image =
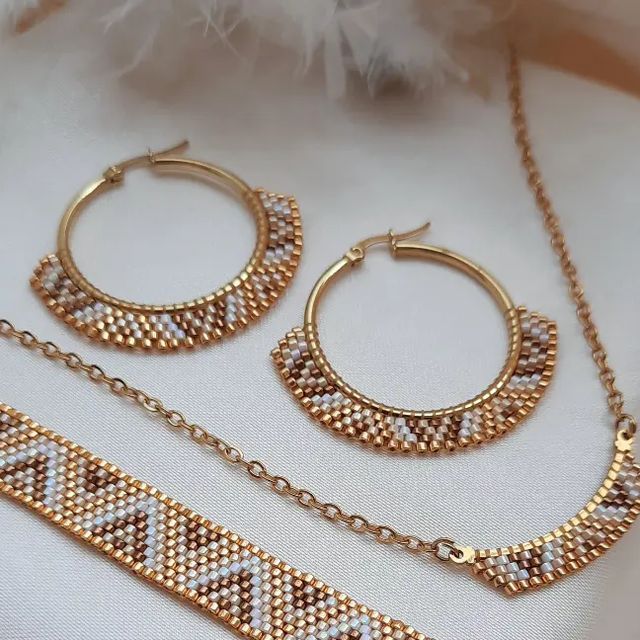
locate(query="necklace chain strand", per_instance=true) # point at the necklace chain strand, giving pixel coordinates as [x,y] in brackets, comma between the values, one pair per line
[442,548]
[624,422]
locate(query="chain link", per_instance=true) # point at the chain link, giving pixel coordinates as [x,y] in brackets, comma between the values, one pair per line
[257,469]
[442,548]
[625,423]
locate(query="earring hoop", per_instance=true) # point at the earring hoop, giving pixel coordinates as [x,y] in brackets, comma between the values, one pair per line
[334,403]
[226,310]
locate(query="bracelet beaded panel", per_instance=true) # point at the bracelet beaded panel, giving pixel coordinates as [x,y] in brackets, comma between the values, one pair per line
[159,539]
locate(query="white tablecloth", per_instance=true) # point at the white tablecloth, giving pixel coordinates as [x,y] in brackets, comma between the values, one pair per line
[408,333]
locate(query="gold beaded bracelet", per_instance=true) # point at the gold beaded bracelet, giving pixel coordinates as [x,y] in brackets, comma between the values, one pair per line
[170,545]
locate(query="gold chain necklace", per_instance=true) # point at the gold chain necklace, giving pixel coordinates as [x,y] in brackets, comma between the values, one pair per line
[515,568]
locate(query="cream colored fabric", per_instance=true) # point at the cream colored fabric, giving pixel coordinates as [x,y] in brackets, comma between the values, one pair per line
[409,332]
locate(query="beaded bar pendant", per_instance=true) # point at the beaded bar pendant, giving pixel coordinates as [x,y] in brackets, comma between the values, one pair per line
[163,541]
[576,543]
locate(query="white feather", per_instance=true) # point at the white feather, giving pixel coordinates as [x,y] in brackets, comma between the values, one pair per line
[12,10]
[418,41]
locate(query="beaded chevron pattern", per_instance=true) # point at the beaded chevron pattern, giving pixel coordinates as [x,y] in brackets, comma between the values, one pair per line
[576,543]
[159,539]
[324,396]
[204,320]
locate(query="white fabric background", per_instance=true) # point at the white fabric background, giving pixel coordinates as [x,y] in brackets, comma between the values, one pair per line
[405,332]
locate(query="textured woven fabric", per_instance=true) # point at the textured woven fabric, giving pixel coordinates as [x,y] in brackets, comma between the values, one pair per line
[407,333]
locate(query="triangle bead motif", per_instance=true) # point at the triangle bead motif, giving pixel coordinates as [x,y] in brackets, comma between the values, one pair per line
[227,310]
[255,593]
[323,395]
[576,543]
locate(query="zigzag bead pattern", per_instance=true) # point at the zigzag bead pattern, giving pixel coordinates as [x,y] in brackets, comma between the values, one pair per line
[229,309]
[325,396]
[161,540]
[576,543]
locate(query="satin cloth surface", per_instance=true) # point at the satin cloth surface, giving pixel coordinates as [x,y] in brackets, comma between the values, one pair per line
[409,332]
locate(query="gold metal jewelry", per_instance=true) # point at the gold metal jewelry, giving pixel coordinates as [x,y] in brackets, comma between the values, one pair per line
[502,405]
[577,542]
[173,547]
[100,316]
[514,569]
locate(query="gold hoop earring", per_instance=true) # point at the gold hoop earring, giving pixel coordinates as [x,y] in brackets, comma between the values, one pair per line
[501,406]
[230,308]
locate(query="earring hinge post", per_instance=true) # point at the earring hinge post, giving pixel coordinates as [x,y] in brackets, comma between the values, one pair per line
[357,252]
[115,173]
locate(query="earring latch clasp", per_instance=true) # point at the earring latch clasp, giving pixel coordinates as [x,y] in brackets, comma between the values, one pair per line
[358,251]
[115,173]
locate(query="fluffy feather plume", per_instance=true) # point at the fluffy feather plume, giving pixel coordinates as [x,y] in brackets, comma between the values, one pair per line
[12,12]
[421,42]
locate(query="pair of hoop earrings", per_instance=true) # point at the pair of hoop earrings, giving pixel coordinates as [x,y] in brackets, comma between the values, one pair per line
[299,357]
